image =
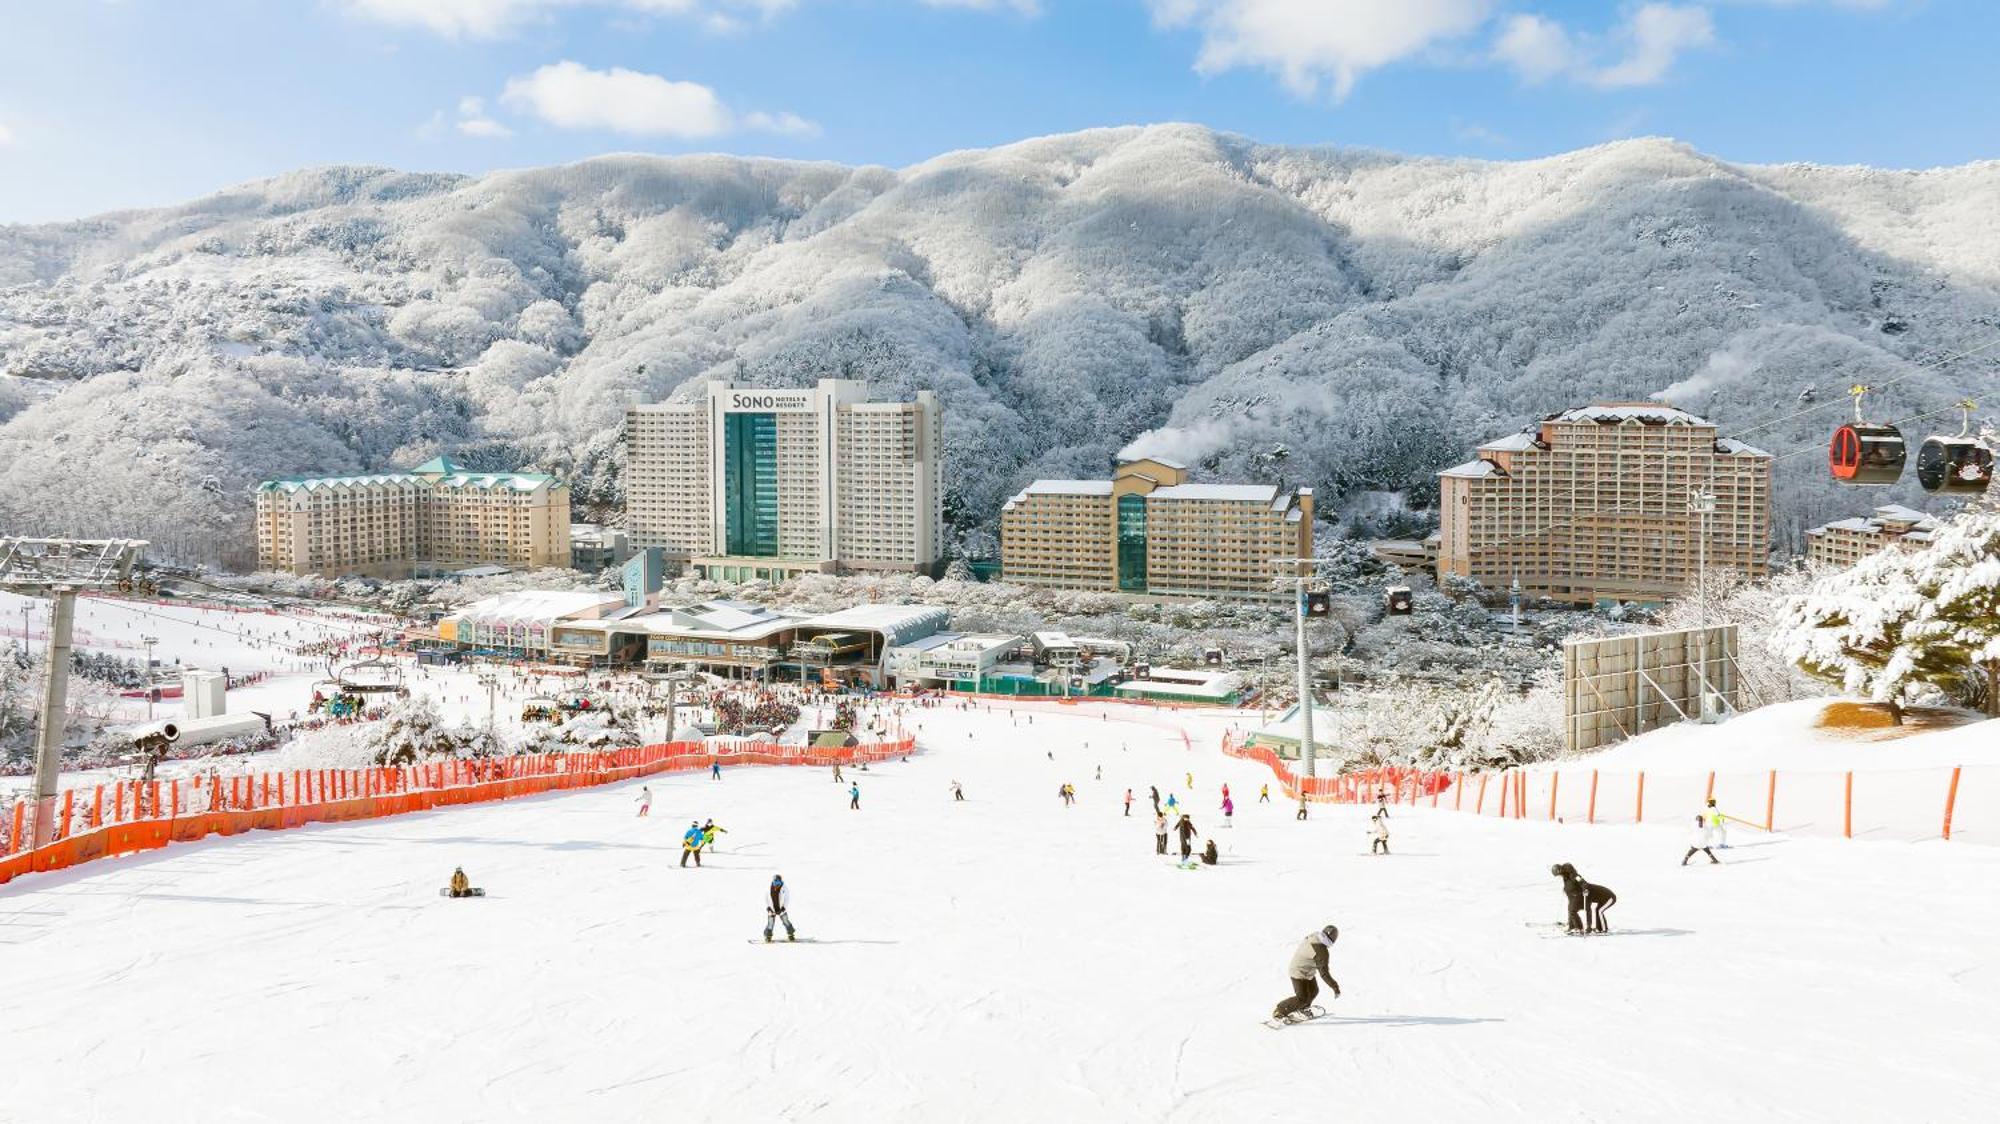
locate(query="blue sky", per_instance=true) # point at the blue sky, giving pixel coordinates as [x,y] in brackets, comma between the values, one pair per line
[115,103]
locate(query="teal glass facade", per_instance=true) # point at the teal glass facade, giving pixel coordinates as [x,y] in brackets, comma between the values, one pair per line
[750,483]
[1132,543]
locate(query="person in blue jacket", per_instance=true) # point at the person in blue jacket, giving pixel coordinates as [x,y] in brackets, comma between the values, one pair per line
[854,797]
[692,842]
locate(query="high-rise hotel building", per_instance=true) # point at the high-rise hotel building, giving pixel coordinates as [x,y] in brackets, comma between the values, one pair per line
[434,518]
[1601,504]
[755,483]
[1147,530]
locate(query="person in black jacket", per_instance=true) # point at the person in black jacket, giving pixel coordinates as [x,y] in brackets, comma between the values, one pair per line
[1186,829]
[1587,901]
[1573,885]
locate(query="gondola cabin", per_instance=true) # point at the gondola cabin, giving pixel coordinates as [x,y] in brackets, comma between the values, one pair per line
[1954,465]
[1862,453]
[1399,600]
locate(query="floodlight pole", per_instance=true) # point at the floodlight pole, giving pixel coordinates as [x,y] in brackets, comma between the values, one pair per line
[55,707]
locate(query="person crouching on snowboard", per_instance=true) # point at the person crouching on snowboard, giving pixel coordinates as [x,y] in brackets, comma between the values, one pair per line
[691,843]
[776,909]
[461,886]
[1308,960]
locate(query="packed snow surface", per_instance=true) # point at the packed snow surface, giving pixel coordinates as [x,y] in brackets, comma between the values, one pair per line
[1004,958]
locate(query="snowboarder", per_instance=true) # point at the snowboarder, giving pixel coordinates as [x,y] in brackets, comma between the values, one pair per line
[709,831]
[715,768]
[854,797]
[691,843]
[1228,809]
[1186,830]
[1209,857]
[1715,820]
[957,793]
[1190,782]
[645,800]
[1159,833]
[837,778]
[1067,795]
[461,886]
[1264,795]
[1173,804]
[1155,790]
[1700,841]
[1100,772]
[1309,960]
[1379,843]
[775,910]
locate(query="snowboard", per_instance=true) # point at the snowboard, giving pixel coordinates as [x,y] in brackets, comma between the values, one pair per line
[1306,1016]
[774,940]
[475,892]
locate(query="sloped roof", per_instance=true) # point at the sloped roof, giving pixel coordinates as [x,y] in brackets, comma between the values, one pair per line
[1473,469]
[1512,443]
[1611,413]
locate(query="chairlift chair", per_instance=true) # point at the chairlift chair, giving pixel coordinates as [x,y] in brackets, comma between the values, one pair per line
[1955,465]
[1864,452]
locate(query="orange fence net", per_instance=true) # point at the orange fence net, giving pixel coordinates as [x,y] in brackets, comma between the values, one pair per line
[128,816]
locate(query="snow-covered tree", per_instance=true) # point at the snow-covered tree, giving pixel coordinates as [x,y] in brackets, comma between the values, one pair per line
[1902,621]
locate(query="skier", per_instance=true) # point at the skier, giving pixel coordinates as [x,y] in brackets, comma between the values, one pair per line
[1228,810]
[1128,801]
[1264,795]
[691,843]
[957,793]
[1307,961]
[776,910]
[1155,790]
[1190,782]
[1100,772]
[1597,899]
[1715,820]
[1380,843]
[854,797]
[1700,841]
[837,778]
[1573,887]
[1173,804]
[645,800]
[1186,830]
[715,768]
[1159,833]
[1225,791]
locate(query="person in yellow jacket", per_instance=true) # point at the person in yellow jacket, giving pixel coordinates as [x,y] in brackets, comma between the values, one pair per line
[1716,821]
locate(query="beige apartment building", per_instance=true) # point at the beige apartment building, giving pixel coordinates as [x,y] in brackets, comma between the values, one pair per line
[1147,530]
[1847,541]
[1599,504]
[755,483]
[434,518]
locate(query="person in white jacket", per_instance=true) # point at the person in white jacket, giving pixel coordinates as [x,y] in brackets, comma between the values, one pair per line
[777,909]
[1700,840]
[645,799]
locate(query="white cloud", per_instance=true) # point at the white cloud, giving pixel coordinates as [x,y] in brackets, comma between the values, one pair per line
[1538,49]
[784,124]
[570,95]
[1476,133]
[6,134]
[1654,38]
[1025,7]
[1310,43]
[489,19]
[473,120]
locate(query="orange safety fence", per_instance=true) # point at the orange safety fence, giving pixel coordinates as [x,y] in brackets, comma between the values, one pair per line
[128,816]
[1902,804]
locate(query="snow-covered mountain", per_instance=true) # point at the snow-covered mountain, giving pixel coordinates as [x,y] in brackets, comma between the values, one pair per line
[1345,318]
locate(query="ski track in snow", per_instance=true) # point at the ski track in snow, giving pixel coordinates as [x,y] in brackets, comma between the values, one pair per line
[1004,958]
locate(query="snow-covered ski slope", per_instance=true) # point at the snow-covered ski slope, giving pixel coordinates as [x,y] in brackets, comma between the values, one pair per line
[1004,958]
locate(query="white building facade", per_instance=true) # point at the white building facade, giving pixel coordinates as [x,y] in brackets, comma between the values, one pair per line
[764,484]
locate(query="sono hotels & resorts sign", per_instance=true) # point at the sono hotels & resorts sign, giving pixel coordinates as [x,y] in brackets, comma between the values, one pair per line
[768,401]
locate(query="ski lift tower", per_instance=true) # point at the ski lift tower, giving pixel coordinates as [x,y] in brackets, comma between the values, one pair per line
[58,569]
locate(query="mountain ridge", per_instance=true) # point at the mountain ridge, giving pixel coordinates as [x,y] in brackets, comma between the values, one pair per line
[1348,318]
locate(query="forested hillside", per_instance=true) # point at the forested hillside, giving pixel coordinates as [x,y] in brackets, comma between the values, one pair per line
[1349,319]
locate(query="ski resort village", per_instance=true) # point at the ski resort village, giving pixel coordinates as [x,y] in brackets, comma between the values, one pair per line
[1135,624]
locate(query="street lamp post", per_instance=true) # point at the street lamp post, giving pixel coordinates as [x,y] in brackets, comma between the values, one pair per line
[149,641]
